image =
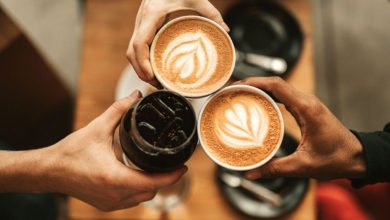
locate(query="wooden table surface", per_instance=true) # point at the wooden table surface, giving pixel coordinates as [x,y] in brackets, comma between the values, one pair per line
[107,29]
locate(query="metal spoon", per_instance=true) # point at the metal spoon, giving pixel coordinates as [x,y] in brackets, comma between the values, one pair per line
[274,64]
[260,191]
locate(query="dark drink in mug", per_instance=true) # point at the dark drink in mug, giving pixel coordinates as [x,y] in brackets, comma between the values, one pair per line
[159,133]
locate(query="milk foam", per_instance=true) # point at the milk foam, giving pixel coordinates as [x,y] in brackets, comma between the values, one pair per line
[191,59]
[244,123]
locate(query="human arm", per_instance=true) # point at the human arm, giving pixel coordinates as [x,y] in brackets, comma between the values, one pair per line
[84,165]
[151,15]
[327,149]
[376,149]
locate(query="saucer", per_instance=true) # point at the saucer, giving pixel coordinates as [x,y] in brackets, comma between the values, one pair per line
[265,28]
[292,190]
[129,81]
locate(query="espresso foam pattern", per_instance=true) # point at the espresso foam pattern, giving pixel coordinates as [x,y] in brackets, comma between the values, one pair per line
[240,128]
[243,123]
[191,59]
[193,56]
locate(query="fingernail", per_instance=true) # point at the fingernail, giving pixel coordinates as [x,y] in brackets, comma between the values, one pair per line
[149,77]
[135,94]
[227,29]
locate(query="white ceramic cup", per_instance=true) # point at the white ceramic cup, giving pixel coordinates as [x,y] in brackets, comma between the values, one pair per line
[172,88]
[260,93]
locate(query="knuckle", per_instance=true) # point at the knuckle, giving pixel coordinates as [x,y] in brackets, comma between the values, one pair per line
[312,107]
[129,55]
[138,44]
[214,14]
[147,196]
[275,80]
[273,170]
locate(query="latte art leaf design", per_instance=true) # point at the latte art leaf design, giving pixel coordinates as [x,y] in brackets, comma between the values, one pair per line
[190,59]
[243,125]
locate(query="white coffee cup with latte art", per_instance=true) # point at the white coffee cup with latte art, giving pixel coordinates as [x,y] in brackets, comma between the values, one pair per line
[240,127]
[193,56]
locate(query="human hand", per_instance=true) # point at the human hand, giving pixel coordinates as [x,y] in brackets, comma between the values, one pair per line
[327,149]
[84,165]
[151,15]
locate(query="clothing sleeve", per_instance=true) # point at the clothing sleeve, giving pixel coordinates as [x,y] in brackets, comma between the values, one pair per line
[376,149]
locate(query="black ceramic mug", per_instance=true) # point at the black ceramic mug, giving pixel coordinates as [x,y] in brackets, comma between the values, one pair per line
[158,133]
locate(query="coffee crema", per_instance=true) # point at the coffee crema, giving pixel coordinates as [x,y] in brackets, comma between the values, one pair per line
[192,56]
[240,128]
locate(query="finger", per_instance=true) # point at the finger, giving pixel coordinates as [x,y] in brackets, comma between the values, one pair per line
[139,14]
[142,197]
[155,181]
[277,167]
[131,57]
[280,89]
[141,44]
[169,178]
[137,69]
[111,117]
[154,82]
[130,49]
[208,10]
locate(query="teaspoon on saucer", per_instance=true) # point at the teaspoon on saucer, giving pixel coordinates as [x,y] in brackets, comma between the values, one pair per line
[274,64]
[260,191]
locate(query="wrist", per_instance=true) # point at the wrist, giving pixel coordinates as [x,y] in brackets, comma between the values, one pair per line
[357,164]
[25,171]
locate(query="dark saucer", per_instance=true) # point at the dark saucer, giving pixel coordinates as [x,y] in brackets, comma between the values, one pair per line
[292,190]
[266,28]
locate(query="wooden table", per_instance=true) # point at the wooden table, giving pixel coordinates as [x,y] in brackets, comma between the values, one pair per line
[108,28]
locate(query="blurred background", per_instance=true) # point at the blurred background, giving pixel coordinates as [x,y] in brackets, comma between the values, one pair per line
[352,51]
[44,39]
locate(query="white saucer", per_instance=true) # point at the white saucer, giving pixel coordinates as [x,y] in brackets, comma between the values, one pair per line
[129,81]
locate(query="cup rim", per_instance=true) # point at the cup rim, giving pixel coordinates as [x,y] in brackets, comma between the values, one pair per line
[263,161]
[149,145]
[162,81]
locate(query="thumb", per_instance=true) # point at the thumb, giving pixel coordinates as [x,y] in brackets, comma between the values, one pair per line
[277,167]
[112,116]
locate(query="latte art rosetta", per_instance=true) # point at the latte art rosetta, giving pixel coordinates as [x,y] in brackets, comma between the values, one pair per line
[242,124]
[190,59]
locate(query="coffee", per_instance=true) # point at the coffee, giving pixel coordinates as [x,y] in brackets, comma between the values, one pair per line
[193,56]
[159,132]
[240,126]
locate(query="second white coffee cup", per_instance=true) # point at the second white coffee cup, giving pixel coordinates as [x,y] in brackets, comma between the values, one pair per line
[240,127]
